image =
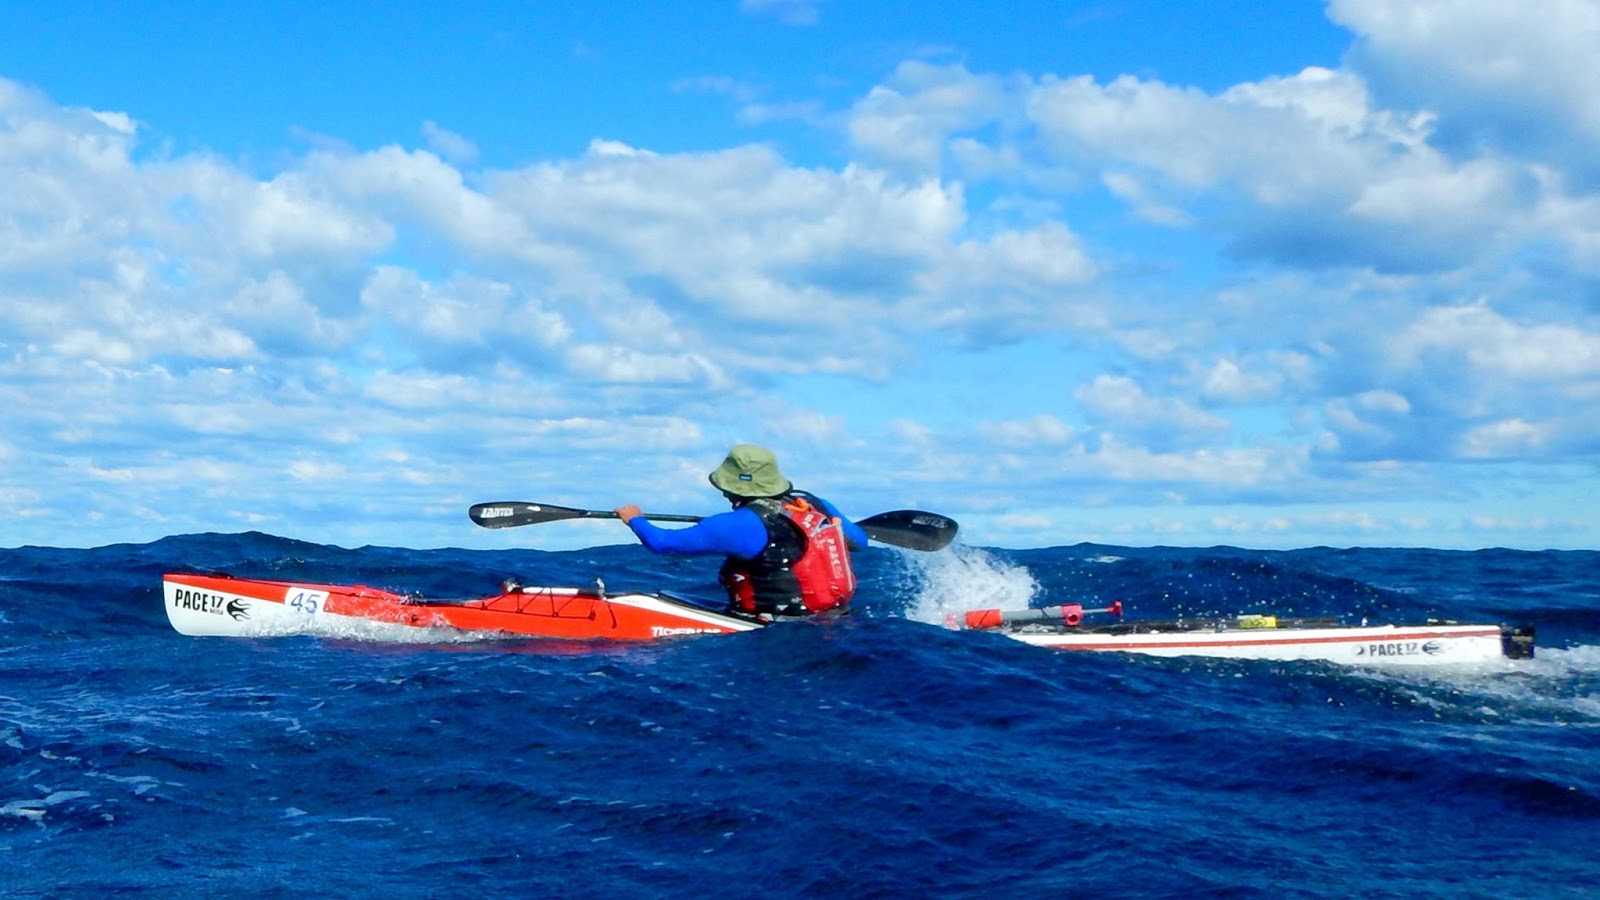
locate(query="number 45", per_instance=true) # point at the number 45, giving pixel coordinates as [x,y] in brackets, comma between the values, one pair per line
[308,602]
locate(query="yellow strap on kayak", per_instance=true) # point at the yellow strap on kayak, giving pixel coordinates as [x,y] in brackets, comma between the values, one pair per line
[1258,621]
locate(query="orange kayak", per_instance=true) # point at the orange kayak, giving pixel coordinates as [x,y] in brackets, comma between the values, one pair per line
[221,605]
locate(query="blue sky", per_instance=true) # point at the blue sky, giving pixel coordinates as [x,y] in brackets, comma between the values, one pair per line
[1160,273]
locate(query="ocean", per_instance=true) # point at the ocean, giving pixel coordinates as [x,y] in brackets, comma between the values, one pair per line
[878,755]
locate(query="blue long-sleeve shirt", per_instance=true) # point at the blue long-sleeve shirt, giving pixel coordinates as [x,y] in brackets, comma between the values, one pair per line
[737,532]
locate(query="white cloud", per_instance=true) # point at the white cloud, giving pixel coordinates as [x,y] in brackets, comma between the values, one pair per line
[1498,347]
[1042,259]
[1039,431]
[315,470]
[1022,522]
[1509,438]
[1119,404]
[1145,202]
[417,189]
[291,217]
[1383,402]
[1491,70]
[448,144]
[467,311]
[1228,382]
[830,255]
[600,147]
[1309,139]
[790,12]
[1349,521]
[1243,467]
[616,364]
[273,310]
[911,432]
[810,427]
[425,391]
[1305,169]
[907,121]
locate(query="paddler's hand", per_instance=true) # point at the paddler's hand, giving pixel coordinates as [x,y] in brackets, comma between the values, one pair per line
[628,513]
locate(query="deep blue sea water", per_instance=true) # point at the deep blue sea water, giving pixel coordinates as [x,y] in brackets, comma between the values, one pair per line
[876,756]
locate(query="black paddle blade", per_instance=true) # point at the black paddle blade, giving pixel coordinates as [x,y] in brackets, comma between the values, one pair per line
[911,529]
[516,513]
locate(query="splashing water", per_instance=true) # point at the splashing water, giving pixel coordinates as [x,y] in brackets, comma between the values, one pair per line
[1559,685]
[965,578]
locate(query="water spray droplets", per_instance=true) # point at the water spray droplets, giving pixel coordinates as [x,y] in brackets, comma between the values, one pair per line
[965,578]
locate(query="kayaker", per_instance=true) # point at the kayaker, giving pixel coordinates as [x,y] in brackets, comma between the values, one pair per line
[787,551]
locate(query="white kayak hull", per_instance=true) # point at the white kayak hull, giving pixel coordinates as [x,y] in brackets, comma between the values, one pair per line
[1385,645]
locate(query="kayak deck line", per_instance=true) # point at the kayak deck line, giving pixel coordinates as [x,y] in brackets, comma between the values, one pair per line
[1258,636]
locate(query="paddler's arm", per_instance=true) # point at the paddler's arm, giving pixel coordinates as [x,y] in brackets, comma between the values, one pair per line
[737,532]
[854,535]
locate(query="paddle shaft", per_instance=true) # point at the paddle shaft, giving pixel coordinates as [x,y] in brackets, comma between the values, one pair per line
[908,528]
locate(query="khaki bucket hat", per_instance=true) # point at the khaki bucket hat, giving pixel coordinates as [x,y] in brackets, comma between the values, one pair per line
[750,471]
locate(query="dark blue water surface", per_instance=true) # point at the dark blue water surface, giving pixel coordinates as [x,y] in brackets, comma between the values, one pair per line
[876,756]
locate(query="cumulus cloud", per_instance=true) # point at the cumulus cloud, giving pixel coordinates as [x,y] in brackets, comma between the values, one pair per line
[1509,438]
[1037,431]
[1120,405]
[1492,73]
[1227,381]
[1372,425]
[1306,169]
[1499,348]
[315,470]
[612,364]
[908,120]
[789,12]
[448,144]
[1234,468]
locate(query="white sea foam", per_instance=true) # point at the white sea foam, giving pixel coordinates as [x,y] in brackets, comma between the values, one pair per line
[352,629]
[23,809]
[1565,662]
[964,578]
[36,808]
[1558,686]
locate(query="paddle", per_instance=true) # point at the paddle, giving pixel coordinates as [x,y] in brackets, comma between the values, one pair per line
[908,528]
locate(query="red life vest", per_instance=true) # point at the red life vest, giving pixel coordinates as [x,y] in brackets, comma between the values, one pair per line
[805,567]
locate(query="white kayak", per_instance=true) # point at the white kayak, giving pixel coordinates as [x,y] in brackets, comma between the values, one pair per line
[1262,637]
